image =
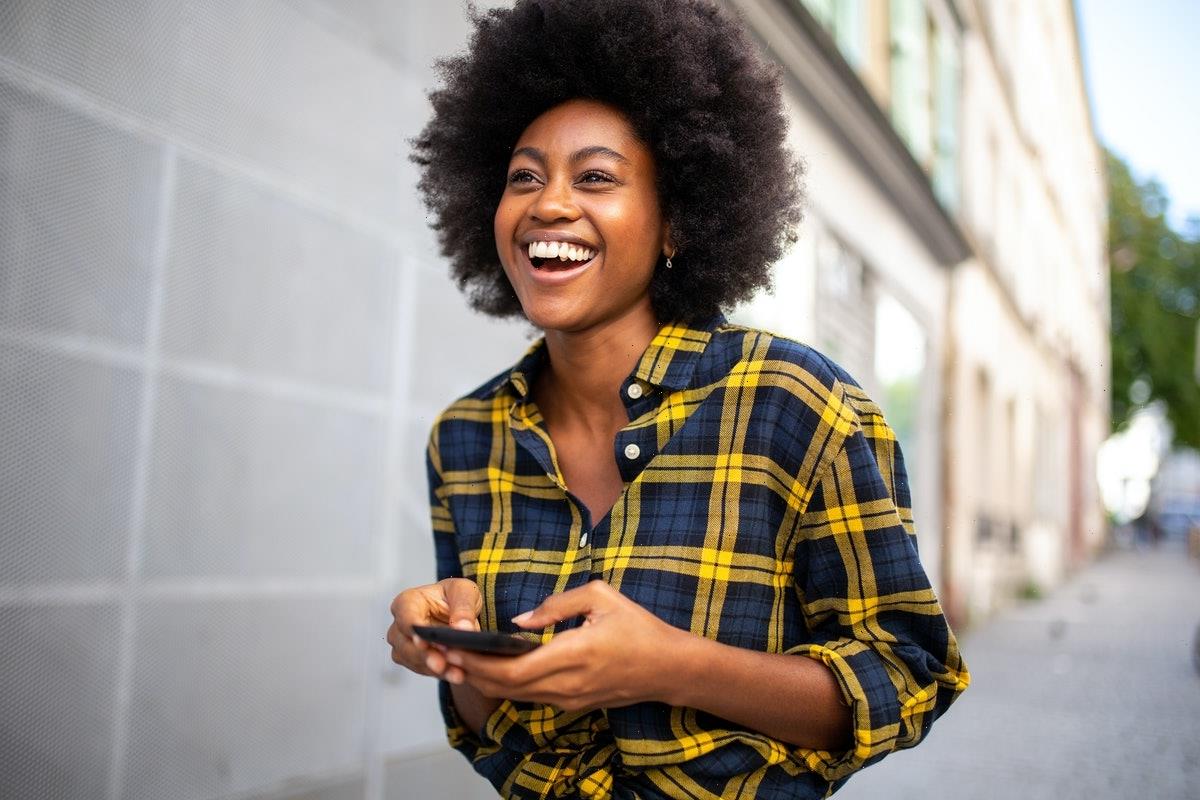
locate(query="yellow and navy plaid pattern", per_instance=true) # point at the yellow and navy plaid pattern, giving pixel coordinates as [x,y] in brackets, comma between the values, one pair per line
[765,506]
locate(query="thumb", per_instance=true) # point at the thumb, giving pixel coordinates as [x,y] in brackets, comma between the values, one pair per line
[464,603]
[557,607]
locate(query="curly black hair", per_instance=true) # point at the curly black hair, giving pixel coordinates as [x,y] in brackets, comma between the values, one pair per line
[694,89]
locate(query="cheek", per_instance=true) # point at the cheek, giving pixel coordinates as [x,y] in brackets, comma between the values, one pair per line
[636,220]
[501,228]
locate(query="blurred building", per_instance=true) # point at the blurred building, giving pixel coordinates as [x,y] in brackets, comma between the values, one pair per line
[1027,401]
[225,331]
[954,260]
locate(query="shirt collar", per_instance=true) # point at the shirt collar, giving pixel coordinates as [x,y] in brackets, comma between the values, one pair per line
[521,376]
[668,362]
[672,356]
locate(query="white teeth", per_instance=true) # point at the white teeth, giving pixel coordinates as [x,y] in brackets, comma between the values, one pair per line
[563,251]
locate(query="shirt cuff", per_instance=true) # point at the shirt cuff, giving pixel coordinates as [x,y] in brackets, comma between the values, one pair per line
[458,733]
[471,743]
[874,711]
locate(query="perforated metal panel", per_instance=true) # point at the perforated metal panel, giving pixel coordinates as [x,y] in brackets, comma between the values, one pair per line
[214,394]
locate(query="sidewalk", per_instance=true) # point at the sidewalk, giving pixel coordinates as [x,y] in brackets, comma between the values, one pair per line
[1089,694]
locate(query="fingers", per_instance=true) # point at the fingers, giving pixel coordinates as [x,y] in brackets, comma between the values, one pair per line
[464,602]
[439,667]
[454,601]
[421,657]
[573,603]
[541,676]
[513,677]
[408,651]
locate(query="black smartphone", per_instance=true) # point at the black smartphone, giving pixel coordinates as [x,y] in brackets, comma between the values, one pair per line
[497,644]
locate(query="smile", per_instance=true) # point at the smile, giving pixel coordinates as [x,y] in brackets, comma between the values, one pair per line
[543,255]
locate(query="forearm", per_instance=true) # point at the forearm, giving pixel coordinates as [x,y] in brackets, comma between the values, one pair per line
[790,698]
[472,707]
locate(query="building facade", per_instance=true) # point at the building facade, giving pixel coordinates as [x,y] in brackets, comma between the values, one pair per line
[973,141]
[1029,310]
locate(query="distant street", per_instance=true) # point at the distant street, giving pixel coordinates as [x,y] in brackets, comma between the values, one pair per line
[1088,695]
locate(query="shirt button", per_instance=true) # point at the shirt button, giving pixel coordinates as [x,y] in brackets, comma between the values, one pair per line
[583,540]
[634,390]
[632,451]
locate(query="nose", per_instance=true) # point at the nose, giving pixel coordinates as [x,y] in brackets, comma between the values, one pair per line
[555,201]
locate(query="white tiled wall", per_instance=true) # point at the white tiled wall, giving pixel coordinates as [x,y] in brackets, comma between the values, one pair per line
[224,333]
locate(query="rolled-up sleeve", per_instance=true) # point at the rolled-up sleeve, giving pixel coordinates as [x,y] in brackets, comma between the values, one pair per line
[872,615]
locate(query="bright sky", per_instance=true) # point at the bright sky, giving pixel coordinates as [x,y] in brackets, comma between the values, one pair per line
[1143,75]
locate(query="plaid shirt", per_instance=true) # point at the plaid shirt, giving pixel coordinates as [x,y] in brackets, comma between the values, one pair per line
[765,506]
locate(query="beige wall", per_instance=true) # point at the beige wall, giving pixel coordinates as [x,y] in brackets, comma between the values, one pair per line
[1031,311]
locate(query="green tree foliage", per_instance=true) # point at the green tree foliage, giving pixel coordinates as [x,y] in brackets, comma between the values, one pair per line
[1155,305]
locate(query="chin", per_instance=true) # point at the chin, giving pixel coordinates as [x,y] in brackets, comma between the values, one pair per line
[555,316]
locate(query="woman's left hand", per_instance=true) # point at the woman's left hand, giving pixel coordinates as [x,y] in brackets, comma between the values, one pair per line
[619,656]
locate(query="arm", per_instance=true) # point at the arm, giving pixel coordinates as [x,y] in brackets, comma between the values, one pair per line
[795,700]
[872,614]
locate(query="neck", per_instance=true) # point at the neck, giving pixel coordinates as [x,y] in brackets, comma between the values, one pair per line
[586,368]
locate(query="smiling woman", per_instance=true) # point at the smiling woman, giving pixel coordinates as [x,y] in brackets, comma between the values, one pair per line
[707,527]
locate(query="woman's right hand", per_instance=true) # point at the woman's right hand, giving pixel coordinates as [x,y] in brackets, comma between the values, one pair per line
[454,601]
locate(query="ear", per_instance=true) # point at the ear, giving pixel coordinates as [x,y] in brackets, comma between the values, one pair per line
[668,247]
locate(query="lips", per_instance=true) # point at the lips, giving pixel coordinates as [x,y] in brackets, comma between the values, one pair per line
[552,271]
[554,265]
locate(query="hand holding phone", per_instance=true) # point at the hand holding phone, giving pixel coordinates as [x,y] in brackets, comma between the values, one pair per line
[490,642]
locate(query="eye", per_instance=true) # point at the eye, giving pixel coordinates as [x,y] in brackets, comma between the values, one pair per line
[596,177]
[521,176]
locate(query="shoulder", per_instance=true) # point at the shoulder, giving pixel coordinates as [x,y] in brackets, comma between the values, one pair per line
[785,369]
[467,424]
[757,351]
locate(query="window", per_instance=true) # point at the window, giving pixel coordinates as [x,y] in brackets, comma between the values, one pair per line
[846,22]
[925,89]
[900,357]
[911,108]
[946,83]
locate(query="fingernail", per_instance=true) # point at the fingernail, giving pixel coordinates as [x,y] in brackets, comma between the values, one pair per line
[455,676]
[429,662]
[521,618]
[416,640]
[464,625]
[453,657]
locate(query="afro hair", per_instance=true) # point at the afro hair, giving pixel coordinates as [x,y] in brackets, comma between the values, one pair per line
[693,88]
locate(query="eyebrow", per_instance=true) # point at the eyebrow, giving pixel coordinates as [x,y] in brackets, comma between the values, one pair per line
[579,155]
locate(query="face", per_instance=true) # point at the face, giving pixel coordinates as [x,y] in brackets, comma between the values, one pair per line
[581,191]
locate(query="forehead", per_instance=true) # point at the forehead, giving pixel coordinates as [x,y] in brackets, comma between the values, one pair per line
[576,124]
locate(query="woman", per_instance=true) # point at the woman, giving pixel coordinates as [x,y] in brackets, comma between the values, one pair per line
[676,507]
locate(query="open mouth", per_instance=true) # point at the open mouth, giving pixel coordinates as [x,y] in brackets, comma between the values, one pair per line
[559,256]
